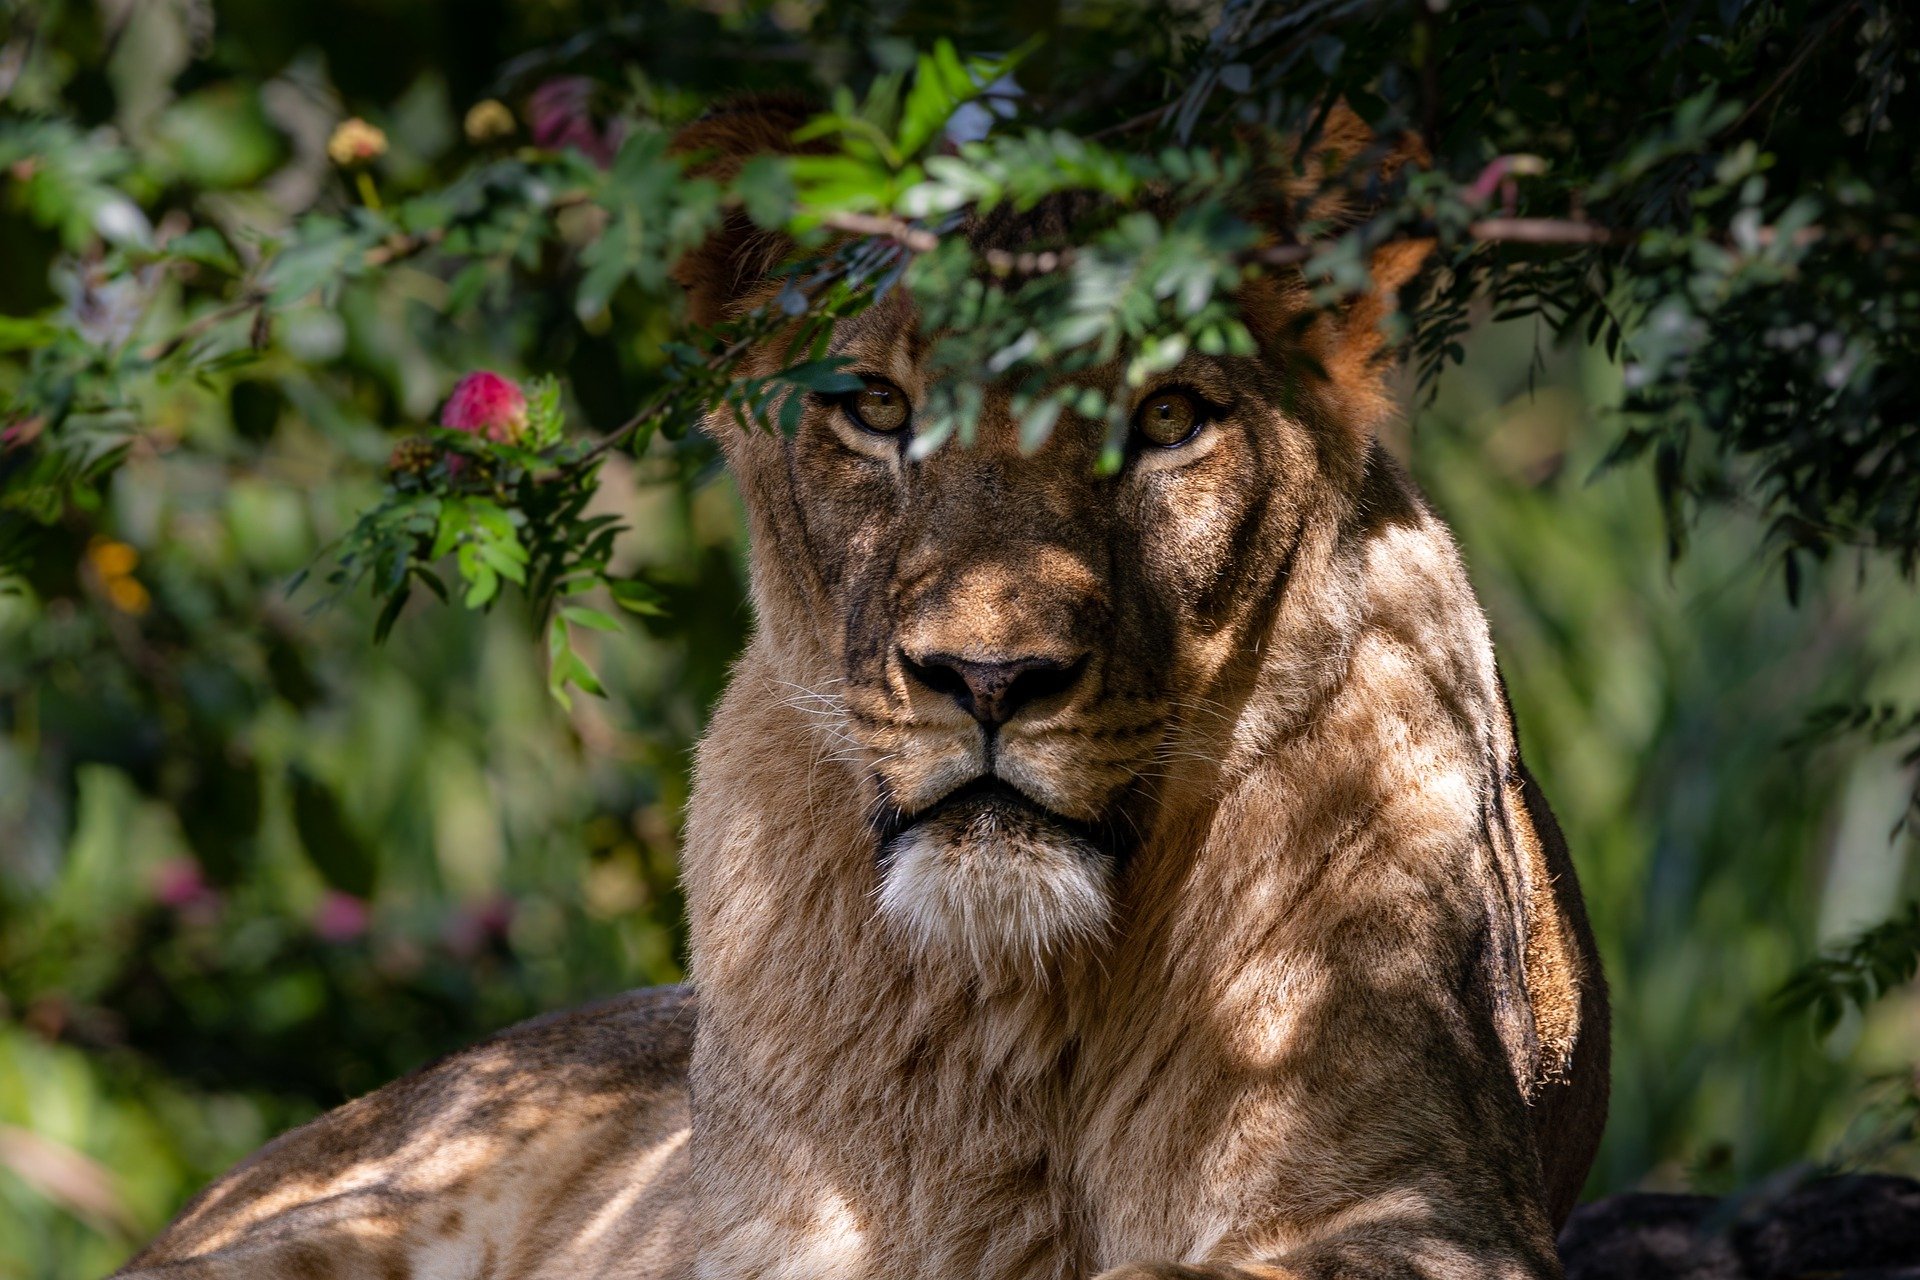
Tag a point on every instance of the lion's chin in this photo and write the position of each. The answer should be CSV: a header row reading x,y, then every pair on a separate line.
x,y
996,884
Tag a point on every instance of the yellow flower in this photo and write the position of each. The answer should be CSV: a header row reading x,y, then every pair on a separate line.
x,y
128,596
112,559
356,142
488,119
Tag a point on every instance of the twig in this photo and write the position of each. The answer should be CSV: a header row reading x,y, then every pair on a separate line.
x,y
201,324
1792,68
1140,121
397,247
1544,231
903,233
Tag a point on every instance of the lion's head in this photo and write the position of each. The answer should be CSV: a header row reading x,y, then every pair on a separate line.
x,y
1009,650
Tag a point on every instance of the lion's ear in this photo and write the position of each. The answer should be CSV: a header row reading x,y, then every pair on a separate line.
x,y
1341,178
738,255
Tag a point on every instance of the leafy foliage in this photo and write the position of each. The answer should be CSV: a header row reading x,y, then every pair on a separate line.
x,y
1876,722
1859,973
1756,266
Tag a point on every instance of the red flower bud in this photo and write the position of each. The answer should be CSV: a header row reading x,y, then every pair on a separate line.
x,y
478,924
180,884
486,404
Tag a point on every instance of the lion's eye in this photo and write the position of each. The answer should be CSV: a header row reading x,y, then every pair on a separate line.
x,y
1168,418
880,407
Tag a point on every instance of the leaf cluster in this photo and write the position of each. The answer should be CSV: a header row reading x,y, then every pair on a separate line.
x,y
1857,973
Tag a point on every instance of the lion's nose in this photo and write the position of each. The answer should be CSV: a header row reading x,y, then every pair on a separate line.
x,y
991,692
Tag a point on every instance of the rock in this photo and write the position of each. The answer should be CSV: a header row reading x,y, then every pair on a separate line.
x,y
1838,1224
1857,1227
1647,1237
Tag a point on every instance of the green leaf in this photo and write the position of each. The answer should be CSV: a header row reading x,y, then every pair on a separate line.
x,y
764,187
24,333
1036,426
639,597
205,246
390,613
828,376
319,258
592,618
546,421
483,586
336,850
559,650
468,284
565,668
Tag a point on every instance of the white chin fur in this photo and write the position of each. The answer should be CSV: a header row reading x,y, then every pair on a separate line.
x,y
1003,891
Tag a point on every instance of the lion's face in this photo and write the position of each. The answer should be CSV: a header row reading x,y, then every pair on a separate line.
x,y
1019,649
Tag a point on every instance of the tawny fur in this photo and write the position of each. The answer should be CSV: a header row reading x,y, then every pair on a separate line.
x,y
1326,1006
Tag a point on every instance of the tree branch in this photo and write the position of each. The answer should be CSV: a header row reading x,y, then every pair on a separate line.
x,y
1002,262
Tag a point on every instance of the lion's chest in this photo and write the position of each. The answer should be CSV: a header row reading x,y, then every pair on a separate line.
x,y
1043,1164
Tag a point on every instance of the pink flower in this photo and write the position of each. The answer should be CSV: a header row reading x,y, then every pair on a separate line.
x,y
478,924
179,883
560,114
19,434
486,404
341,917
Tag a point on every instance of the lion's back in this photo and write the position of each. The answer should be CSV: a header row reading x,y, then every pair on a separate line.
x,y
555,1148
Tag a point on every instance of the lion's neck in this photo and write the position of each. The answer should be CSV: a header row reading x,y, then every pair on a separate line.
x,y
825,1058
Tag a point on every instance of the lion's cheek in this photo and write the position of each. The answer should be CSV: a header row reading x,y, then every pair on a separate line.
x,y
916,769
1187,549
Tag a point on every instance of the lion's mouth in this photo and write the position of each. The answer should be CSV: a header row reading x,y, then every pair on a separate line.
x,y
985,798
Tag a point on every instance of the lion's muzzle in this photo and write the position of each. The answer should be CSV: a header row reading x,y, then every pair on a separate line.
x,y
988,875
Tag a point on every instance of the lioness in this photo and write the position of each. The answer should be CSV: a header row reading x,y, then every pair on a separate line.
x,y
1131,875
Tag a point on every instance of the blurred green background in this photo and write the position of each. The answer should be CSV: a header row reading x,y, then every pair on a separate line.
x,y
252,865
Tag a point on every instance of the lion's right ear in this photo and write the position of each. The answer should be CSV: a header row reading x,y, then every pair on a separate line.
x,y
1339,178
738,255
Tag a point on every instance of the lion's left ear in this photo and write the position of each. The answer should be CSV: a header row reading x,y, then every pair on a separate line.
x,y
738,255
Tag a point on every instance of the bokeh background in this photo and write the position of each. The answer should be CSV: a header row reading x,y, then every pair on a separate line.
x,y
252,864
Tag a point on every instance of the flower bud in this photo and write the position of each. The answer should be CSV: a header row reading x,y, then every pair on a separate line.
x,y
355,142
412,457
341,917
560,117
487,120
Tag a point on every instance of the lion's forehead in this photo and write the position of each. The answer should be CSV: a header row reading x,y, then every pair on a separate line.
x,y
885,338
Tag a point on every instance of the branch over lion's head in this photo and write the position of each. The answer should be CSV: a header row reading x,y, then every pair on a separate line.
x,y
1014,651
